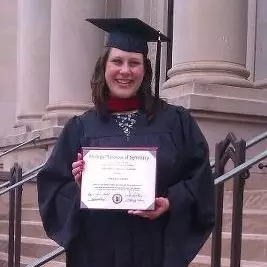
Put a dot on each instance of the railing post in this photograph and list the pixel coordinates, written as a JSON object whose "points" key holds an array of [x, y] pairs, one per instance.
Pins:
{"points": [[14, 233], [18, 191], [11, 219], [216, 246], [238, 194], [235, 150]]}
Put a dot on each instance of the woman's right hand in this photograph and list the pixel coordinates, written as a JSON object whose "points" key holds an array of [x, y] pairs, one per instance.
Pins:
{"points": [[77, 168]]}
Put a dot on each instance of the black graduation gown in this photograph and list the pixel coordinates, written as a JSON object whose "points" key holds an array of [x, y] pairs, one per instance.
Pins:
{"points": [[101, 238]]}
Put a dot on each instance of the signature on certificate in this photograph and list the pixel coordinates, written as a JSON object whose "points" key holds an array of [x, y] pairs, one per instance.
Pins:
{"points": [[97, 197]]}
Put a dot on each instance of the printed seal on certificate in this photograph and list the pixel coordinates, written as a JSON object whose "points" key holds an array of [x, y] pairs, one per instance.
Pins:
{"points": [[119, 178]]}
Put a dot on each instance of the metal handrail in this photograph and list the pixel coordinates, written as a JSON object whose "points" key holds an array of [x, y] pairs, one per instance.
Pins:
{"points": [[256, 140], [20, 145], [249, 144], [29, 173], [4, 185], [46, 258], [241, 168], [223, 178]]}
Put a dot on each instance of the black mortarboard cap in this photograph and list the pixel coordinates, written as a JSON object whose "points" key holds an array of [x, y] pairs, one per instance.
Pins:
{"points": [[132, 35]]}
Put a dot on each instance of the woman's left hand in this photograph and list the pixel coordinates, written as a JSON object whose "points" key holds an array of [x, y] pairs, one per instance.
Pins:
{"points": [[161, 206]]}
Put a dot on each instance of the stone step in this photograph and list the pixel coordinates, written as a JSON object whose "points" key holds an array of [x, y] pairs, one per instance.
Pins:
{"points": [[27, 214], [30, 214], [253, 200], [29, 198], [4, 205], [256, 181], [53, 122], [254, 221], [18, 130], [4, 175], [31, 247], [254, 247], [28, 228], [204, 261], [27, 260]]}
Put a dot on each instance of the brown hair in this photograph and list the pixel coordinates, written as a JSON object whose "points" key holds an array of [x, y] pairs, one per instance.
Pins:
{"points": [[100, 89]]}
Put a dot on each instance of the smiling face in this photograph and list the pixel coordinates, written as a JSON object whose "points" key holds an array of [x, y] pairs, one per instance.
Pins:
{"points": [[124, 73]]}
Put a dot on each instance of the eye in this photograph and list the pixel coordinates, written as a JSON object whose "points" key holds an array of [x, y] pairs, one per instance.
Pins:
{"points": [[116, 61], [134, 63]]}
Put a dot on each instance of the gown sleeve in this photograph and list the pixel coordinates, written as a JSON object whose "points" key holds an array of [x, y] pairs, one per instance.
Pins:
{"points": [[192, 198], [58, 194]]}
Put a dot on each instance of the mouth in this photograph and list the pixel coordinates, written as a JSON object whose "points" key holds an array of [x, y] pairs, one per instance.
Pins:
{"points": [[124, 82]]}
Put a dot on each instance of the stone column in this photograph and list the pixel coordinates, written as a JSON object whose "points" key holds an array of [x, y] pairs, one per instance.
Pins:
{"points": [[33, 59], [8, 65], [251, 38], [209, 43], [75, 47], [154, 13], [261, 46]]}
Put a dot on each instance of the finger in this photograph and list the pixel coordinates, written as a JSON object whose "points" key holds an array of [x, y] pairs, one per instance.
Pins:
{"points": [[78, 163], [77, 179], [79, 156], [75, 171], [162, 202], [135, 212], [159, 200], [141, 213], [75, 164], [78, 176], [77, 168]]}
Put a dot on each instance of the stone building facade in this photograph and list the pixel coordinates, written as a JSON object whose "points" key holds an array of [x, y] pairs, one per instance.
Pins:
{"points": [[48, 52]]}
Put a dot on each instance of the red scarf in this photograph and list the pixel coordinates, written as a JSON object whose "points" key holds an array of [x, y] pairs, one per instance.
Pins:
{"points": [[116, 104]]}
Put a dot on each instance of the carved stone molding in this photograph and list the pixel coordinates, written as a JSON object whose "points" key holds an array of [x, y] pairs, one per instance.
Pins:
{"points": [[226, 73]]}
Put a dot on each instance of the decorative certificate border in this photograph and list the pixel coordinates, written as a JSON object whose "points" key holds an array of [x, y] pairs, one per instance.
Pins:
{"points": [[119, 178]]}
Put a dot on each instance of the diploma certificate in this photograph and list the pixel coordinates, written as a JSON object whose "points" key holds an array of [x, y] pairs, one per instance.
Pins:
{"points": [[119, 178]]}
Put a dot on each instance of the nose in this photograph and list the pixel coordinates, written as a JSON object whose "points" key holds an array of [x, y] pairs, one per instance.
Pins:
{"points": [[125, 68]]}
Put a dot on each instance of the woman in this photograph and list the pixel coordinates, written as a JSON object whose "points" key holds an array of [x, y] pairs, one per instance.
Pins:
{"points": [[126, 114]]}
